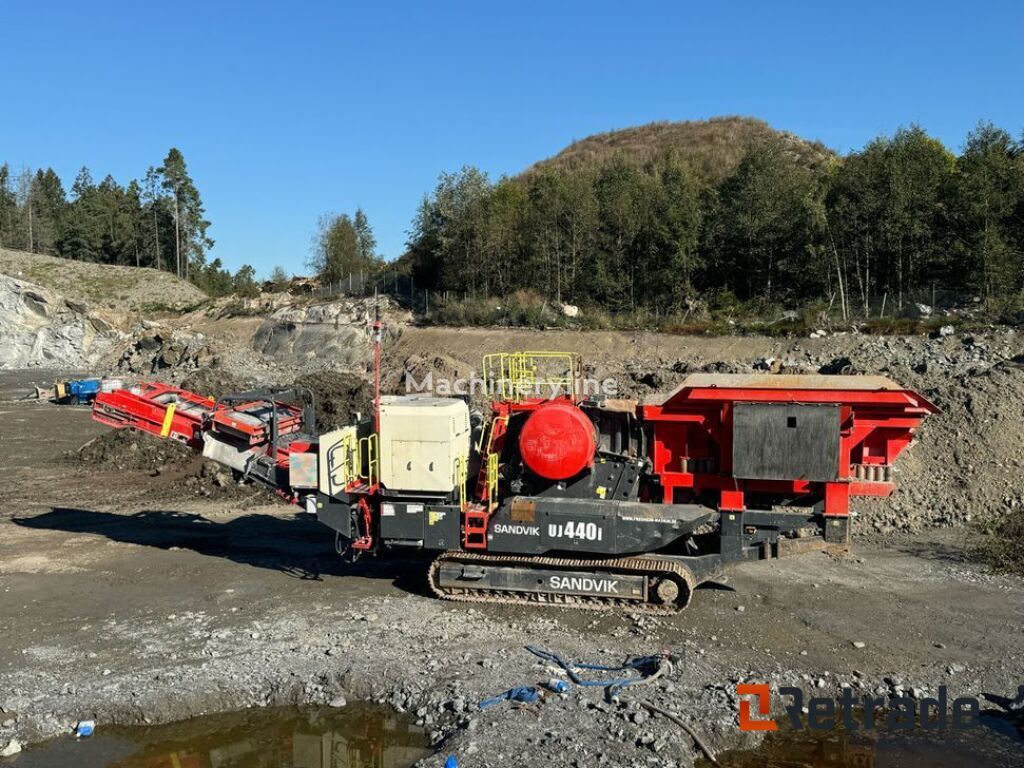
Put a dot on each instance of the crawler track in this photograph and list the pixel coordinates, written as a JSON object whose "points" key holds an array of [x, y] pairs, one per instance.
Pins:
{"points": [[671, 584]]}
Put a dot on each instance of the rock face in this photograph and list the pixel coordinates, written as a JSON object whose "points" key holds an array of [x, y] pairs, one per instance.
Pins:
{"points": [[152, 350], [41, 328], [338, 332]]}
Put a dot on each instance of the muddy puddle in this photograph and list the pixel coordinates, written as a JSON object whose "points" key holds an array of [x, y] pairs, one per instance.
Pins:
{"points": [[995, 742], [358, 736]]}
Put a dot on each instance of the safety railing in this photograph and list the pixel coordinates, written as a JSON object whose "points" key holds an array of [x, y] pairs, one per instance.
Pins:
{"points": [[343, 464], [519, 375], [459, 474], [483, 443], [369, 447], [492, 480]]}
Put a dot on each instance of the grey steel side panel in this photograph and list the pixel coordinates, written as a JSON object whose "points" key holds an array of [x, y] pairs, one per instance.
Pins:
{"points": [[590, 525], [785, 441], [334, 515], [435, 526], [611, 478]]}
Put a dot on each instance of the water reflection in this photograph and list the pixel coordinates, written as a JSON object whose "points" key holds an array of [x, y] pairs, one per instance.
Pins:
{"points": [[995, 743], [359, 736]]}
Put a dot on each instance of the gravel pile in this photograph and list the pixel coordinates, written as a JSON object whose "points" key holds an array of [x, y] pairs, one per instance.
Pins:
{"points": [[128, 450], [965, 465], [337, 397]]}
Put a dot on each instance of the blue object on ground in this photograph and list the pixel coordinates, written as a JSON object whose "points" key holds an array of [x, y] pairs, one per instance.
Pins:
{"points": [[451, 762], [524, 693], [85, 728], [645, 665], [77, 390], [558, 686]]}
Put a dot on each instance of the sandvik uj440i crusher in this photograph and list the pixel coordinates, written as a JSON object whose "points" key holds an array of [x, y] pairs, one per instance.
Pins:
{"points": [[570, 499]]}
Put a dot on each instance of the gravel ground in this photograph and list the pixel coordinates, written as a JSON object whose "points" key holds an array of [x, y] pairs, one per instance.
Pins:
{"points": [[130, 600]]}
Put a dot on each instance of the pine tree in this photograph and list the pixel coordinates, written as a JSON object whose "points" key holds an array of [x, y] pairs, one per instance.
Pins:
{"points": [[82, 233], [278, 279], [366, 243], [27, 234], [190, 239], [336, 249], [990, 190], [49, 205], [8, 208]]}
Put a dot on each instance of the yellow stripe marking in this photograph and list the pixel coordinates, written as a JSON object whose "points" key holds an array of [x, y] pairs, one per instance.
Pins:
{"points": [[165, 430]]}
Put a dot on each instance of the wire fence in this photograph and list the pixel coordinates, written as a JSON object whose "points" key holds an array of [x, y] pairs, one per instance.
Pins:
{"points": [[922, 302], [401, 289]]}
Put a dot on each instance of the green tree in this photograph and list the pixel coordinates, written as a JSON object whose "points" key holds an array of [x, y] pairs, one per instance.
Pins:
{"points": [[244, 282], [366, 243], [768, 242], [49, 206], [501, 262], [82, 233], [8, 208], [336, 253], [279, 279], [562, 228], [446, 232], [623, 196], [157, 221], [920, 173], [115, 208], [26, 230], [990, 190], [132, 221], [678, 216], [212, 278], [190, 239]]}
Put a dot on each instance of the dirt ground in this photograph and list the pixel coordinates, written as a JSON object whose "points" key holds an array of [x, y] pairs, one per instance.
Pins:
{"points": [[126, 600]]}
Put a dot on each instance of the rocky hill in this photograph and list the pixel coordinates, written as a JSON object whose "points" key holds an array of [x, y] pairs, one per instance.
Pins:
{"points": [[40, 327], [715, 146], [123, 289]]}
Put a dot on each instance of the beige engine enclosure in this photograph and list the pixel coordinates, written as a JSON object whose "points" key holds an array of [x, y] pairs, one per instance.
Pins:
{"points": [[422, 441]]}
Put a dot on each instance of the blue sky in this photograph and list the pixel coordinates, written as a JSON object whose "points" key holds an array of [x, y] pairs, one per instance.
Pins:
{"points": [[285, 111]]}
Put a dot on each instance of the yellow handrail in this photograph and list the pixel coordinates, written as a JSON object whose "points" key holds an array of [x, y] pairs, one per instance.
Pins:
{"points": [[345, 469], [459, 475], [515, 375], [372, 446], [492, 480]]}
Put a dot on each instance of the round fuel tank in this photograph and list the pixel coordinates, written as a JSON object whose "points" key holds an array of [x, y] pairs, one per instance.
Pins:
{"points": [[558, 441]]}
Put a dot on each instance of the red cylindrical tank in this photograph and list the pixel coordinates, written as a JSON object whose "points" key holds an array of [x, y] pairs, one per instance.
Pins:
{"points": [[558, 441]]}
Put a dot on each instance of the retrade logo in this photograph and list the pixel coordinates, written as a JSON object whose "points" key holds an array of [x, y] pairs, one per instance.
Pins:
{"points": [[895, 713], [762, 695]]}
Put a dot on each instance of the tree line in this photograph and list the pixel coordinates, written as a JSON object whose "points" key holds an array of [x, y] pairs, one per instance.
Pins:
{"points": [[343, 247], [157, 222], [896, 220]]}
